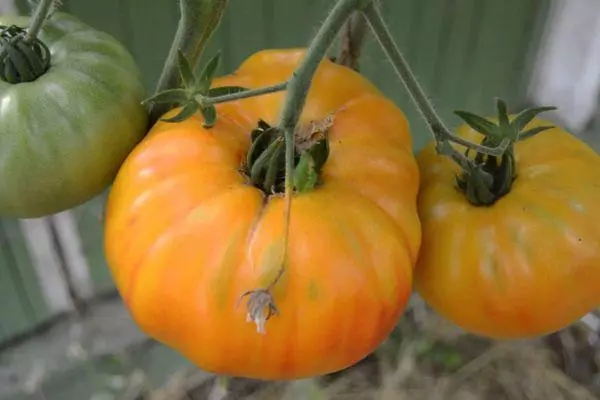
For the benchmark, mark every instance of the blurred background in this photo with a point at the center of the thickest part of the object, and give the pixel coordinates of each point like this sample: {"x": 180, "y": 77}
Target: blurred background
{"x": 65, "y": 335}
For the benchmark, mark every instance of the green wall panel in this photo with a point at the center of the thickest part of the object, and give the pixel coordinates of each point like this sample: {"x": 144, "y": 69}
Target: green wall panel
{"x": 22, "y": 302}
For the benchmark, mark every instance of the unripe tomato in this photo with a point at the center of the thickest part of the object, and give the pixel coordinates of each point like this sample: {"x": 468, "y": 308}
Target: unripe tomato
{"x": 65, "y": 134}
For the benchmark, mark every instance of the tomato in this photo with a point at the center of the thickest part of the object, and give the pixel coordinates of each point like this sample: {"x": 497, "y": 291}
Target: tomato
{"x": 66, "y": 133}
{"x": 527, "y": 265}
{"x": 187, "y": 232}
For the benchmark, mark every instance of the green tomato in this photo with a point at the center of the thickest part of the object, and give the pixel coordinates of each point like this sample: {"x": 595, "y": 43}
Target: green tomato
{"x": 64, "y": 135}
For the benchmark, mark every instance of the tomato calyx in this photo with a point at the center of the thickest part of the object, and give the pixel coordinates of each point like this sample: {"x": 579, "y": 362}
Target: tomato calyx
{"x": 265, "y": 160}
{"x": 22, "y": 58}
{"x": 260, "y": 307}
{"x": 196, "y": 93}
{"x": 489, "y": 178}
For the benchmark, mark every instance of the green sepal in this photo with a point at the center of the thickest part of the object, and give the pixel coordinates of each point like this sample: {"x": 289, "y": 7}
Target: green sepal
{"x": 526, "y": 116}
{"x": 258, "y": 169}
{"x": 319, "y": 153}
{"x": 461, "y": 182}
{"x": 9, "y": 73}
{"x": 505, "y": 129}
{"x": 258, "y": 146}
{"x": 210, "y": 116}
{"x": 22, "y": 59}
{"x": 33, "y": 58}
{"x": 264, "y": 125}
{"x": 480, "y": 124}
{"x": 273, "y": 167}
{"x": 21, "y": 64}
{"x": 533, "y": 131}
{"x": 191, "y": 96}
{"x": 305, "y": 173}
{"x": 503, "y": 122}
{"x": 187, "y": 74}
{"x": 176, "y": 96}
{"x": 479, "y": 189}
{"x": 255, "y": 134}
{"x": 506, "y": 174}
{"x": 207, "y": 75}
{"x": 186, "y": 112}
{"x": 261, "y": 138}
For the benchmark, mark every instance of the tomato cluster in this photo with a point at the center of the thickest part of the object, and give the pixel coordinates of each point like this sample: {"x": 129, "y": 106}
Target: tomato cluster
{"x": 195, "y": 225}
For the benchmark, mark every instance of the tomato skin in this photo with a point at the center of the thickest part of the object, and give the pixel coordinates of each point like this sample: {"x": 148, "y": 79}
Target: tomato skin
{"x": 65, "y": 135}
{"x": 528, "y": 265}
{"x": 186, "y": 234}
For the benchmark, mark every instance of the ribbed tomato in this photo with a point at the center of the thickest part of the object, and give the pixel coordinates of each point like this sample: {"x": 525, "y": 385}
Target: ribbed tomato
{"x": 526, "y": 265}
{"x": 188, "y": 232}
{"x": 66, "y": 132}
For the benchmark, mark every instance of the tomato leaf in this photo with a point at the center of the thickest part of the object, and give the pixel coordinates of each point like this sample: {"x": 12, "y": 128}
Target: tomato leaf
{"x": 480, "y": 124}
{"x": 208, "y": 73}
{"x": 210, "y": 116}
{"x": 225, "y": 90}
{"x": 187, "y": 75}
{"x": 186, "y": 112}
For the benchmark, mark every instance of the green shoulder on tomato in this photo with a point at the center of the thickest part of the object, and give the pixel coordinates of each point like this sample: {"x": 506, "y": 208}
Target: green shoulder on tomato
{"x": 64, "y": 135}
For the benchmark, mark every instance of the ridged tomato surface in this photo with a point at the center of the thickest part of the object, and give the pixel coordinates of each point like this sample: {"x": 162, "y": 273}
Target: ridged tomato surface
{"x": 529, "y": 264}
{"x": 187, "y": 233}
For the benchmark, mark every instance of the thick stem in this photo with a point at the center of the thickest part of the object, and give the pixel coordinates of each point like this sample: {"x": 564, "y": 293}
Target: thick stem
{"x": 299, "y": 83}
{"x": 439, "y": 130}
{"x": 401, "y": 67}
{"x": 297, "y": 91}
{"x": 39, "y": 16}
{"x": 352, "y": 38}
{"x": 198, "y": 20}
{"x": 261, "y": 305}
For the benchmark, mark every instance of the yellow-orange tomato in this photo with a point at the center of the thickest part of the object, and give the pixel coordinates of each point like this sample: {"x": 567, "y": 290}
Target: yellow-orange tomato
{"x": 186, "y": 233}
{"x": 529, "y": 264}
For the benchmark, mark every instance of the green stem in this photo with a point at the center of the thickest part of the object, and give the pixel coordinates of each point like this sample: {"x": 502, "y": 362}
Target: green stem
{"x": 300, "y": 81}
{"x": 439, "y": 130}
{"x": 197, "y": 22}
{"x": 297, "y": 91}
{"x": 245, "y": 94}
{"x": 39, "y": 16}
